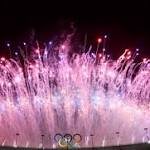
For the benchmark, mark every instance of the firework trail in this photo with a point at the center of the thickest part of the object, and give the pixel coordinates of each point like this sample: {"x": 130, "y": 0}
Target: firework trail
{"x": 87, "y": 93}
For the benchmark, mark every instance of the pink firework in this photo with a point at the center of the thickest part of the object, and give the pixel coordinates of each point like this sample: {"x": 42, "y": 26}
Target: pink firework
{"x": 87, "y": 94}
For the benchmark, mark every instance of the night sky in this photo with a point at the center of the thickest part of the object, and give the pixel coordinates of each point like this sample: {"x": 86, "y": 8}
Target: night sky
{"x": 127, "y": 23}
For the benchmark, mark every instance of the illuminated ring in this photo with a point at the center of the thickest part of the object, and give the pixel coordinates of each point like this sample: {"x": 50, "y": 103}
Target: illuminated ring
{"x": 77, "y": 138}
{"x": 68, "y": 137}
{"x": 58, "y": 137}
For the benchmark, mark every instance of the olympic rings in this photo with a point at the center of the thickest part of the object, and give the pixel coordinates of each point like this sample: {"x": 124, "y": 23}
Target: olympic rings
{"x": 76, "y": 138}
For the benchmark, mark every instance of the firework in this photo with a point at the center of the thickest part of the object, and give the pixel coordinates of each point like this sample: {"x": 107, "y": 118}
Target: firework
{"x": 50, "y": 92}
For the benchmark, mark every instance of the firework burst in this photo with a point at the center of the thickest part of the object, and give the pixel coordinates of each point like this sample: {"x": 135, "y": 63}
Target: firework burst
{"x": 50, "y": 92}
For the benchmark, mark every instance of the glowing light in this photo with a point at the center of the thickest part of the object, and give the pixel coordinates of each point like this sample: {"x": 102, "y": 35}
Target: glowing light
{"x": 37, "y": 65}
{"x": 17, "y": 79}
{"x": 9, "y": 84}
{"x": 99, "y": 40}
{"x": 129, "y": 53}
{"x": 128, "y": 57}
{"x": 8, "y": 45}
{"x": 16, "y": 53}
{"x": 37, "y": 51}
{"x": 100, "y": 55}
{"x": 144, "y": 60}
{"x": 108, "y": 56}
{"x": 104, "y": 49}
{"x": 50, "y": 42}
{"x": 93, "y": 55}
{"x": 29, "y": 78}
{"x": 126, "y": 50}
{"x": 24, "y": 43}
{"x": 63, "y": 46}
{"x": 3, "y": 59}
{"x": 20, "y": 70}
{"x": 105, "y": 36}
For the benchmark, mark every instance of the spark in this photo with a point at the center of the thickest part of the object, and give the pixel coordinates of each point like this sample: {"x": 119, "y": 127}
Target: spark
{"x": 50, "y": 42}
{"x": 24, "y": 43}
{"x": 3, "y": 59}
{"x": 144, "y": 60}
{"x": 105, "y": 36}
{"x": 17, "y": 79}
{"x": 37, "y": 51}
{"x": 63, "y": 46}
{"x": 99, "y": 40}
{"x": 8, "y": 44}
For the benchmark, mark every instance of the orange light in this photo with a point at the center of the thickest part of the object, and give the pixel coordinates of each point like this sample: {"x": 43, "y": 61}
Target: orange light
{"x": 99, "y": 40}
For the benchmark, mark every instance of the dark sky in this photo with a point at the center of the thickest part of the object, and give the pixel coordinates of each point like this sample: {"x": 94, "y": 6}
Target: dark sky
{"x": 125, "y": 22}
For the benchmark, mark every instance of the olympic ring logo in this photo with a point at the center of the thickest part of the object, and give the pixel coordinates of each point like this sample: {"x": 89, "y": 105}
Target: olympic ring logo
{"x": 67, "y": 140}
